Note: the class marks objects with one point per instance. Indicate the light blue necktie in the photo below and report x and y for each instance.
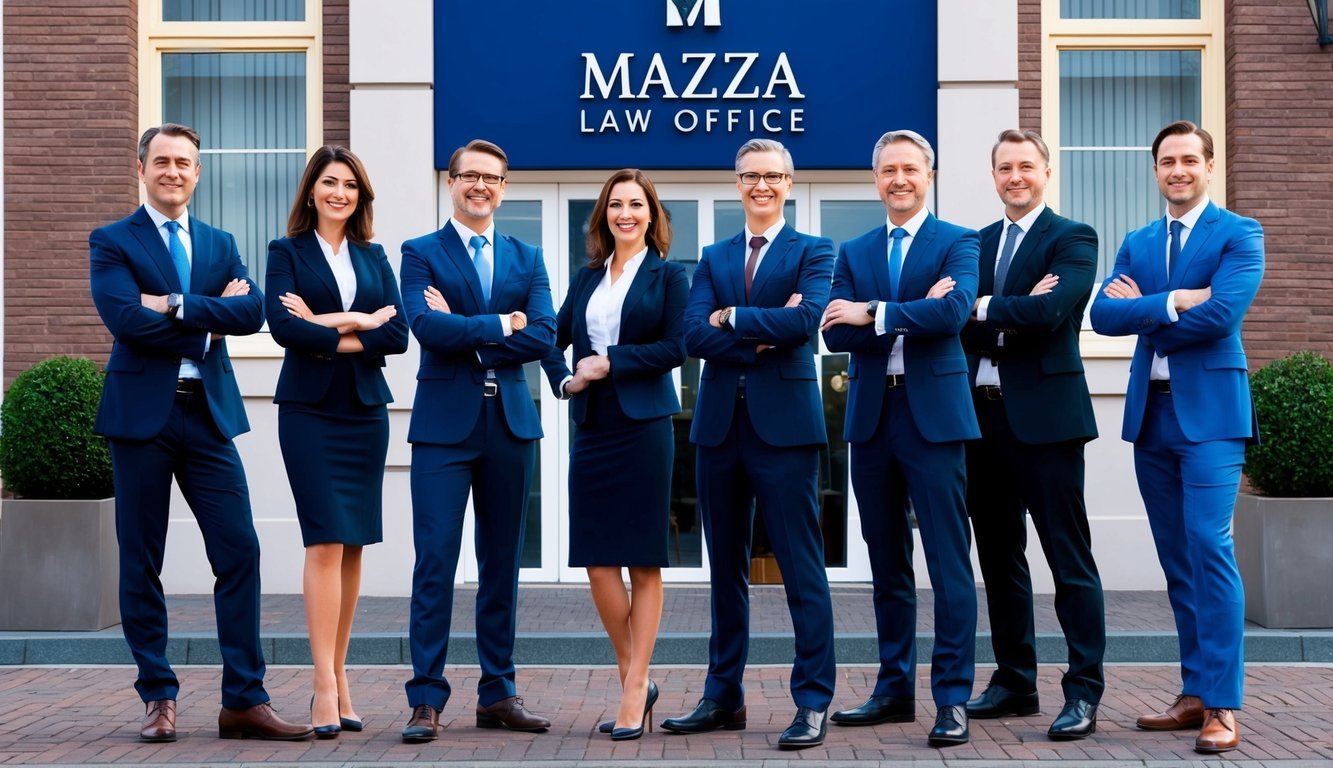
(1174, 250)
(482, 264)
(1006, 256)
(178, 255)
(896, 259)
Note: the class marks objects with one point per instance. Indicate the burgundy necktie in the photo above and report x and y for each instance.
(755, 244)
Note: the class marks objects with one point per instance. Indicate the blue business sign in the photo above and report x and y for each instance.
(681, 83)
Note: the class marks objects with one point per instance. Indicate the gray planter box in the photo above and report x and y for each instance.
(1284, 548)
(59, 565)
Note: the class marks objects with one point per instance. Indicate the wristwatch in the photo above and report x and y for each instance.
(872, 307)
(724, 319)
(174, 301)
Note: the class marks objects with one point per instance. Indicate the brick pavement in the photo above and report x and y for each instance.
(88, 716)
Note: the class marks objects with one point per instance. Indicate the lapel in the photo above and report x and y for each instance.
(990, 243)
(774, 260)
(504, 255)
(586, 282)
(1031, 244)
(201, 250)
(312, 258)
(920, 259)
(456, 255)
(649, 271)
(1157, 255)
(1203, 229)
(144, 231)
(364, 265)
(732, 272)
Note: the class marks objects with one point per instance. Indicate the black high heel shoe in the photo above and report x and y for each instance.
(323, 731)
(627, 734)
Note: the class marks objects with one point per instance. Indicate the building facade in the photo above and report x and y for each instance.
(402, 82)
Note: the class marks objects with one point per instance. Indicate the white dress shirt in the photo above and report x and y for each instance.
(607, 302)
(1161, 369)
(189, 370)
(343, 273)
(912, 226)
(988, 375)
(465, 234)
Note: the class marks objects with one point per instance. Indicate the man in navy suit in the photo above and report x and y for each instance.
(1183, 284)
(1032, 401)
(169, 289)
(901, 293)
(479, 303)
(752, 314)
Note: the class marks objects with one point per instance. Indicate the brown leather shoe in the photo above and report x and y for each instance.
(260, 722)
(1220, 733)
(423, 725)
(509, 713)
(1184, 712)
(159, 722)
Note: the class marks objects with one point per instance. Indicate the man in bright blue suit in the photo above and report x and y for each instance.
(169, 289)
(901, 294)
(479, 303)
(758, 424)
(1183, 284)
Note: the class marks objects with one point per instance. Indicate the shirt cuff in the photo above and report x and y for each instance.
(983, 303)
(507, 325)
(1171, 307)
(564, 393)
(880, 330)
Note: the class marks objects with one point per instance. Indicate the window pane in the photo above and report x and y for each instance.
(521, 219)
(729, 218)
(579, 211)
(833, 458)
(1112, 104)
(1129, 9)
(843, 220)
(233, 10)
(686, 533)
(684, 233)
(249, 109)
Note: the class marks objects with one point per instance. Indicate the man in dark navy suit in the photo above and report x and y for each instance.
(479, 303)
(169, 289)
(758, 422)
(901, 293)
(1037, 271)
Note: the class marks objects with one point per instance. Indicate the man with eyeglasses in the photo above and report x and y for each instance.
(901, 294)
(758, 424)
(479, 303)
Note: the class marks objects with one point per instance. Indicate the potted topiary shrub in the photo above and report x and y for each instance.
(1284, 530)
(58, 558)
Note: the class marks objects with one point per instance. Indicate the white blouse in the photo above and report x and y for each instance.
(343, 273)
(607, 301)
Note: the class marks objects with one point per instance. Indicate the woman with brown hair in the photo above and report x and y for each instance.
(624, 317)
(332, 301)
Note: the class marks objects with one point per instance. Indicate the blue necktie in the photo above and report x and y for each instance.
(482, 264)
(178, 255)
(1174, 250)
(896, 259)
(1006, 256)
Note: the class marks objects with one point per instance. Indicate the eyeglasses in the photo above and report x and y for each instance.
(771, 179)
(471, 177)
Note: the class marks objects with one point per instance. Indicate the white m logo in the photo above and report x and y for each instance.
(683, 13)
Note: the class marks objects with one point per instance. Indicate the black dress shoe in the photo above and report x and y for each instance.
(707, 716)
(950, 727)
(876, 710)
(807, 729)
(608, 726)
(1078, 720)
(998, 701)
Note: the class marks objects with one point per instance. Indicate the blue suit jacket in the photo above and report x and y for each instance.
(651, 339)
(297, 265)
(1040, 365)
(129, 258)
(1209, 372)
(458, 347)
(938, 392)
(781, 383)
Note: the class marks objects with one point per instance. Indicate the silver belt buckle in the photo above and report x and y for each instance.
(491, 388)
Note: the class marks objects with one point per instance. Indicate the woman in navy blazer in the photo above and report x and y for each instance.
(623, 315)
(333, 303)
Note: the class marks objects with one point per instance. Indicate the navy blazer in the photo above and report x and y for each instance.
(128, 258)
(1040, 365)
(651, 345)
(1209, 371)
(781, 383)
(939, 395)
(458, 347)
(297, 265)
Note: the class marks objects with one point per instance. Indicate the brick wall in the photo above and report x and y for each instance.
(337, 107)
(1029, 64)
(71, 123)
(1280, 170)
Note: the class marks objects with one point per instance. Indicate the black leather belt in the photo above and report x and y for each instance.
(989, 392)
(189, 386)
(895, 380)
(491, 388)
(1160, 386)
